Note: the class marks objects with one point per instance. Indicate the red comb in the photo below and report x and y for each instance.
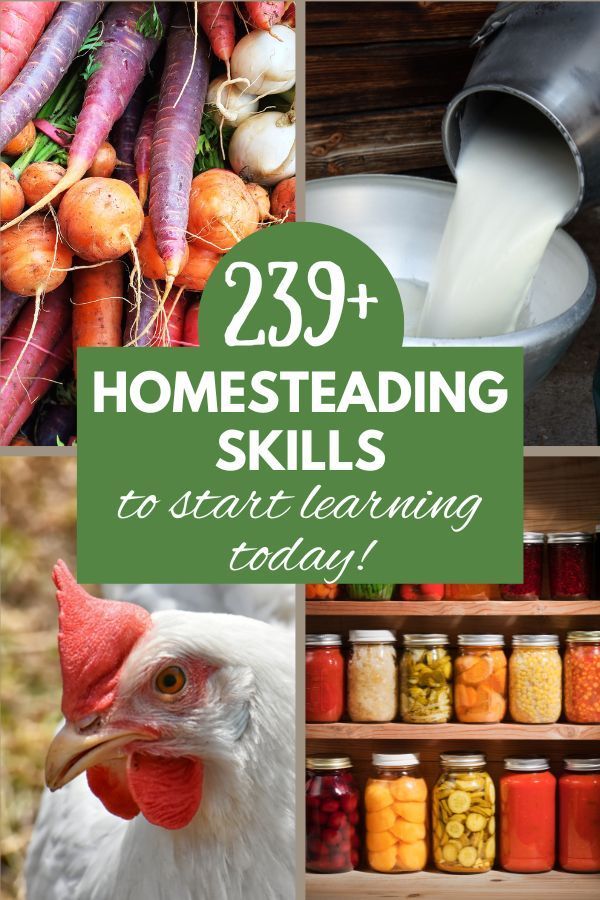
(95, 637)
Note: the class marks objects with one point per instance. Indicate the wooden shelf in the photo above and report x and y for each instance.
(405, 608)
(452, 731)
(440, 885)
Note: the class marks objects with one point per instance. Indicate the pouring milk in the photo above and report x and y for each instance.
(516, 180)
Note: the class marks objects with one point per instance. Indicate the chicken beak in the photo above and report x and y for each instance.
(72, 752)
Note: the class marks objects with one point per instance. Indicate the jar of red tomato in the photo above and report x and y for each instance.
(570, 564)
(527, 815)
(579, 816)
(422, 591)
(332, 817)
(582, 677)
(533, 562)
(324, 678)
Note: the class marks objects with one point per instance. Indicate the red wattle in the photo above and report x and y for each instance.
(167, 790)
(109, 784)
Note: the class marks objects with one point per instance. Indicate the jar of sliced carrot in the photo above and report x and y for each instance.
(480, 678)
(582, 677)
(321, 591)
(472, 592)
(396, 807)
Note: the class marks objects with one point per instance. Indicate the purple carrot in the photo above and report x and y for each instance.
(140, 334)
(123, 136)
(54, 53)
(143, 145)
(10, 307)
(56, 420)
(122, 61)
(182, 94)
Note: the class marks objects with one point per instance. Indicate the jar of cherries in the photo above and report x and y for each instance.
(332, 815)
(570, 564)
(533, 564)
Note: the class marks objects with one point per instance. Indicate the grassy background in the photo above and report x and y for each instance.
(38, 517)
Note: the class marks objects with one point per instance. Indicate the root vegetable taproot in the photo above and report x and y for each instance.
(100, 218)
(142, 147)
(21, 141)
(104, 162)
(266, 60)
(124, 134)
(190, 329)
(217, 22)
(38, 179)
(150, 262)
(283, 200)
(10, 306)
(198, 269)
(263, 148)
(33, 258)
(261, 197)
(20, 26)
(229, 102)
(265, 15)
(138, 331)
(12, 200)
(97, 306)
(222, 210)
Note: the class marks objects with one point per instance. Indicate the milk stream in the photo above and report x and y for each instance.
(516, 180)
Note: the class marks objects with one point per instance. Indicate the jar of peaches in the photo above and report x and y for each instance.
(471, 591)
(332, 815)
(582, 677)
(396, 814)
(535, 679)
(480, 678)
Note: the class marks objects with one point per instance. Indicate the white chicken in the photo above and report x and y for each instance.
(184, 725)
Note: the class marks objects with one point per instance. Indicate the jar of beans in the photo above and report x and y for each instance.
(533, 563)
(570, 564)
(321, 591)
(535, 679)
(582, 677)
(332, 816)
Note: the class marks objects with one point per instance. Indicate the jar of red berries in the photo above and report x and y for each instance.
(332, 815)
(533, 562)
(570, 563)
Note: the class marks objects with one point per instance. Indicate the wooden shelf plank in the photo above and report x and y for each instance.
(405, 608)
(451, 731)
(439, 885)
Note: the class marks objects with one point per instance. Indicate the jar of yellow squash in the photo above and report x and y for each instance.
(535, 679)
(396, 814)
(463, 815)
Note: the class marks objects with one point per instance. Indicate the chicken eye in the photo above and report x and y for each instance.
(171, 680)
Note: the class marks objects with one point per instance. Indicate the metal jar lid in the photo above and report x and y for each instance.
(425, 640)
(570, 537)
(323, 640)
(526, 764)
(395, 760)
(481, 640)
(582, 765)
(535, 640)
(583, 637)
(372, 637)
(328, 762)
(462, 760)
(533, 537)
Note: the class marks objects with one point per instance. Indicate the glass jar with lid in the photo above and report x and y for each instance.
(535, 679)
(480, 678)
(527, 815)
(579, 815)
(321, 591)
(370, 591)
(332, 815)
(425, 679)
(582, 677)
(396, 814)
(533, 567)
(372, 676)
(570, 564)
(464, 815)
(324, 678)
(422, 591)
(471, 591)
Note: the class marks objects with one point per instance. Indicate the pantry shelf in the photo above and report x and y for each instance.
(452, 731)
(405, 608)
(438, 885)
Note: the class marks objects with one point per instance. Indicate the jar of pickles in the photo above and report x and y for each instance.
(372, 677)
(396, 814)
(527, 815)
(370, 591)
(422, 591)
(570, 564)
(324, 678)
(535, 679)
(471, 591)
(582, 677)
(463, 815)
(332, 816)
(321, 591)
(579, 816)
(425, 679)
(533, 566)
(480, 678)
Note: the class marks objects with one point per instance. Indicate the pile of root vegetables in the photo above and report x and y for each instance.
(140, 142)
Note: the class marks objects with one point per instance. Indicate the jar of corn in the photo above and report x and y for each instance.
(535, 679)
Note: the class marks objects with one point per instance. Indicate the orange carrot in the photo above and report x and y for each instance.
(266, 14)
(218, 25)
(97, 306)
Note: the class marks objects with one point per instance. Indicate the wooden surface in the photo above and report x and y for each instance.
(400, 609)
(453, 731)
(439, 886)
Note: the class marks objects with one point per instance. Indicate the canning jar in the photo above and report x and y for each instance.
(332, 815)
(597, 561)
(533, 567)
(579, 816)
(422, 591)
(480, 678)
(582, 677)
(324, 678)
(372, 676)
(527, 815)
(425, 679)
(321, 591)
(471, 591)
(370, 591)
(396, 814)
(570, 564)
(535, 679)
(463, 815)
